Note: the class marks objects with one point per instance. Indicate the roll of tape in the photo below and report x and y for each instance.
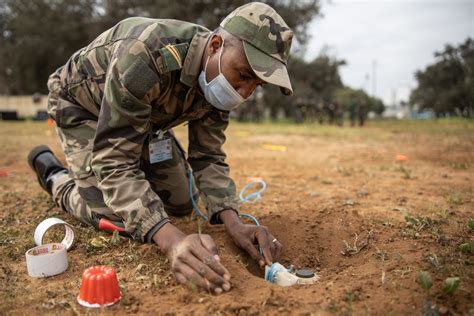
(43, 227)
(46, 260)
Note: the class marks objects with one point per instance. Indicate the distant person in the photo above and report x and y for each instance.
(363, 107)
(353, 111)
(320, 112)
(338, 113)
(115, 102)
(36, 98)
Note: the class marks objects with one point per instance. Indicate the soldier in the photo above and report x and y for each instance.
(362, 112)
(115, 102)
(338, 113)
(353, 110)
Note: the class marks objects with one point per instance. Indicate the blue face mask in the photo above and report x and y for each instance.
(219, 92)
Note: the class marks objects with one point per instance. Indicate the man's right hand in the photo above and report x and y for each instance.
(194, 259)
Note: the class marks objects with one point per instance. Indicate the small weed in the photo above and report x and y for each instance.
(239, 259)
(407, 173)
(467, 247)
(326, 181)
(439, 211)
(351, 296)
(453, 198)
(381, 255)
(459, 165)
(141, 268)
(344, 171)
(384, 168)
(103, 243)
(332, 307)
(199, 225)
(376, 157)
(425, 281)
(156, 280)
(432, 258)
(403, 272)
(349, 202)
(451, 285)
(356, 247)
(115, 239)
(419, 223)
(470, 224)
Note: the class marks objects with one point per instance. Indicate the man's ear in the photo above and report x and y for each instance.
(214, 44)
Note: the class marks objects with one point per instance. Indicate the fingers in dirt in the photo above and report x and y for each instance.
(263, 239)
(193, 277)
(254, 253)
(206, 272)
(208, 254)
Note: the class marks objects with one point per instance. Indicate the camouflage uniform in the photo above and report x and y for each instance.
(110, 99)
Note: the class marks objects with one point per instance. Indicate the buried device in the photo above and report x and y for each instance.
(278, 274)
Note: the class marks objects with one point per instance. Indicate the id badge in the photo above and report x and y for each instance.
(160, 150)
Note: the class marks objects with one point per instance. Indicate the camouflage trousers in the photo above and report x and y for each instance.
(77, 192)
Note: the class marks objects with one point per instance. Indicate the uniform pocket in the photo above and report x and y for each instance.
(80, 163)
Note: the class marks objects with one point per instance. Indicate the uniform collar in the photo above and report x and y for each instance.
(192, 63)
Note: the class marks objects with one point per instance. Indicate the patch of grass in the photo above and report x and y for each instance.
(381, 254)
(326, 182)
(459, 165)
(451, 285)
(416, 224)
(407, 173)
(419, 223)
(470, 224)
(425, 281)
(453, 198)
(432, 258)
(332, 307)
(437, 210)
(467, 247)
(101, 244)
(403, 272)
(345, 172)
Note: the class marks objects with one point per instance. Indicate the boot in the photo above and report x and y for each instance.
(43, 162)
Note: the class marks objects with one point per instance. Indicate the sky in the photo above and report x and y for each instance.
(399, 37)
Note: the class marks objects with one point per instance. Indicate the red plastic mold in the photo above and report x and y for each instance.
(99, 287)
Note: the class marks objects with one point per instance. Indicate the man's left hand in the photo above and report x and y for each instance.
(251, 237)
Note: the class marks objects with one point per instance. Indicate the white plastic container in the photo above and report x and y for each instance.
(278, 274)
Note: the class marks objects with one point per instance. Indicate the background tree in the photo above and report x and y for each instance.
(347, 96)
(37, 36)
(313, 82)
(447, 86)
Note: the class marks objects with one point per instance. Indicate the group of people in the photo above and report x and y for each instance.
(330, 112)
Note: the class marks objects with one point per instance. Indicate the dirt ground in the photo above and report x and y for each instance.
(337, 200)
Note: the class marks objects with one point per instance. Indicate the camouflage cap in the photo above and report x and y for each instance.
(267, 41)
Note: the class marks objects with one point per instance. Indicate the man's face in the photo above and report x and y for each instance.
(234, 65)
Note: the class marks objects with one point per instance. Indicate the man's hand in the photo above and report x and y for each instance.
(249, 237)
(194, 259)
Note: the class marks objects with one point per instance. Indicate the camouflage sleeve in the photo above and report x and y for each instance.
(211, 172)
(123, 125)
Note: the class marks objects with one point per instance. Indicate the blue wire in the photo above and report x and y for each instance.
(253, 218)
(252, 197)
